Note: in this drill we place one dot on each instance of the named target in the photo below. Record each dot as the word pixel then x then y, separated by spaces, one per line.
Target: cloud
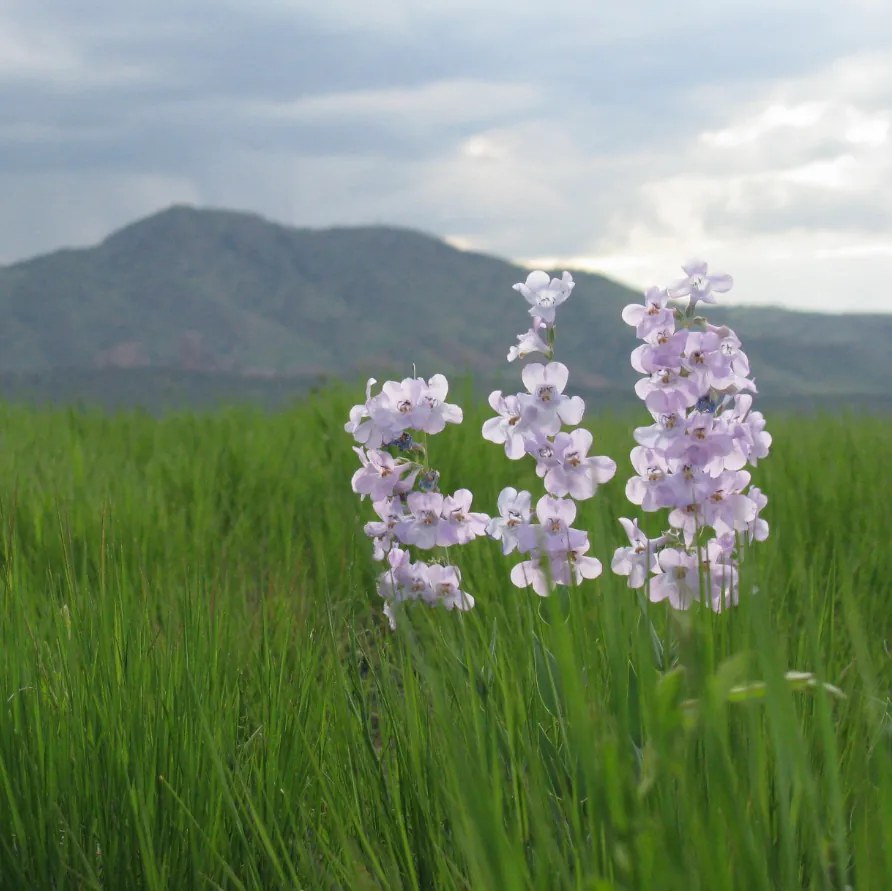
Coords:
pixel 800 176
pixel 57 205
pixel 609 132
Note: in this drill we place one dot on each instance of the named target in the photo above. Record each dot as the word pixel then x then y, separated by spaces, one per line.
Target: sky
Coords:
pixel 616 137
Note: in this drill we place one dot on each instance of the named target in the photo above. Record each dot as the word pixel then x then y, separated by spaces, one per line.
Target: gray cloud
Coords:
pixel 527 130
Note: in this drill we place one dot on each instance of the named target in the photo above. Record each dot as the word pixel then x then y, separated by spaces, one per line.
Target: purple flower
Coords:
pixel 727 509
pixel 433 412
pixel 570 471
pixel 445 588
pixel 514 423
pixel 546 385
pixel 651 317
pixel 704 500
pixel 667 391
pixel 424 518
pixel 678 579
pixel 382 475
pixel 420 403
pixel 699 284
pixel 747 429
pixel 757 528
pixel 514 512
pixel 665 350
pixel 660 435
pixel 531 422
pixel 639 558
pixel 542 448
pixel 552 532
pixel 530 342
pixel 374 422
pixel 705 442
pixel 410 403
pixel 403 580
pixel 565 566
pixel 717 362
pixel 650 488
pixel 383 533
pixel 393 582
pixel 421 528
pixel 459 524
pixel 691 459
pixel 686 490
pixel 434 584
pixel 545 295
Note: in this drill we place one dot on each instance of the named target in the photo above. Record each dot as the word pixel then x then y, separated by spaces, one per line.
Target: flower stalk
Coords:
pixel 412 512
pixel 530 424
pixel 697 386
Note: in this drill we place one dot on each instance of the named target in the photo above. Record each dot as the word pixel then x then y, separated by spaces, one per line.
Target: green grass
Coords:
pixel 197 689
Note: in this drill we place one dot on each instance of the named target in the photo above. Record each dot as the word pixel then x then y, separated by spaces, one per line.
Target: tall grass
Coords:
pixel 197 688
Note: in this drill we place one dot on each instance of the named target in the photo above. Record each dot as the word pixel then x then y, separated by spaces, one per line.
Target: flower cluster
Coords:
pixel 696 384
pixel 530 424
pixel 404 491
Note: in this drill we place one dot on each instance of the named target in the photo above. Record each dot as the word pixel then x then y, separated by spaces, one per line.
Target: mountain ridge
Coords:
pixel 229 292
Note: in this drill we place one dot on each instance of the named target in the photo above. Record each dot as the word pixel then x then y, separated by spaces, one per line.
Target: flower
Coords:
pixel 652 316
pixel 531 422
pixel 433 583
pixel 650 488
pixel 514 512
pixel 382 475
pixel 545 294
pixel 516 418
pixel 422 516
pixel 411 403
pixel 667 391
pixel 691 459
pixel 527 343
pixel 546 385
pixel 566 566
pixel 569 470
pixel 459 524
pixel 552 532
pixel 677 579
pixel 383 532
pixel 421 403
pixel 757 528
pixel 421 526
pixel 639 558
pixel 665 350
pixel 706 442
pixel 445 582
pixel 698 284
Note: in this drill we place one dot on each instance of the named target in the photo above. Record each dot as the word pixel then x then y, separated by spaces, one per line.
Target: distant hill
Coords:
pixel 234 301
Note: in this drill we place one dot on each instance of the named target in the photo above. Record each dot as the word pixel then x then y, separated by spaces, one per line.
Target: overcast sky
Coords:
pixel 622 137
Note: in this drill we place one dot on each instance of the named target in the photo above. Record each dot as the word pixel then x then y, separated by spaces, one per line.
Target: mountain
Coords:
pixel 223 297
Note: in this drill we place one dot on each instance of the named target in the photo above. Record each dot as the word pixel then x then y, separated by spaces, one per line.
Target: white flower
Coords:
pixel 516 414
pixel 527 343
pixel 382 475
pixel 546 385
pixel 571 471
pixel 700 285
pixel 514 512
pixel 639 558
pixel 544 295
pixel 445 582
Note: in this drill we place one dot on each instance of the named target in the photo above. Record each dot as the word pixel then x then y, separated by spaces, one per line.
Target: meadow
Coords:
pixel 198 689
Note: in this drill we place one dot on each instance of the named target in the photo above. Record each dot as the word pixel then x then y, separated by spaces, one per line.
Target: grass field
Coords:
pixel 197 689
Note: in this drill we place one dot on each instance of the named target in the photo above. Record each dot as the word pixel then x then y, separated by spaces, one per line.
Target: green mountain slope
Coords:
pixel 218 292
